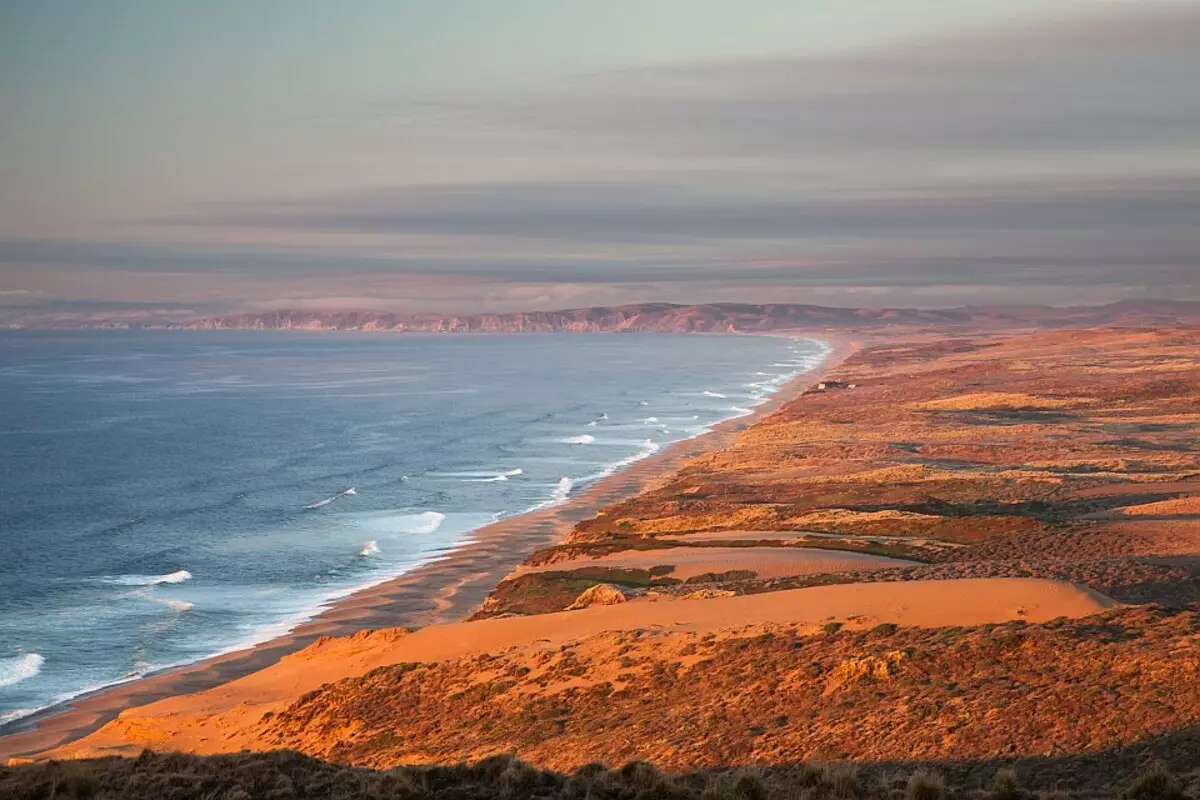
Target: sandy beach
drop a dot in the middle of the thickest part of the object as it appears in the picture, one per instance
(445, 590)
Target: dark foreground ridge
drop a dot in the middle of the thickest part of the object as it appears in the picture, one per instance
(283, 774)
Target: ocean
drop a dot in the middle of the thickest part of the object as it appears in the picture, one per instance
(168, 496)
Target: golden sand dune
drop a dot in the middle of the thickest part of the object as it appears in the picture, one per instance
(224, 718)
(1179, 506)
(764, 562)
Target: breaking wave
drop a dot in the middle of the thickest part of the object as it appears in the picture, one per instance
(708, 393)
(369, 549)
(178, 576)
(425, 522)
(503, 476)
(562, 490)
(328, 500)
(584, 439)
(15, 670)
(174, 605)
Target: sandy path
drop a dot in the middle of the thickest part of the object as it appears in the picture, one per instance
(765, 562)
(221, 719)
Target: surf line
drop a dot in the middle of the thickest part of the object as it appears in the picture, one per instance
(328, 500)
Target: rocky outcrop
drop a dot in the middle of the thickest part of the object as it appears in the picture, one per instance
(602, 594)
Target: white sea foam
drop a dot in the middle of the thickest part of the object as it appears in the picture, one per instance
(174, 605)
(425, 522)
(369, 549)
(16, 714)
(648, 448)
(14, 670)
(503, 476)
(483, 476)
(592, 424)
(178, 576)
(338, 496)
(584, 439)
(708, 393)
(562, 491)
(650, 420)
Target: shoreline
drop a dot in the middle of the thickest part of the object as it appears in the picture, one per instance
(446, 589)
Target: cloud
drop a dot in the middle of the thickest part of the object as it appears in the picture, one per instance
(647, 212)
(1002, 163)
(1109, 80)
(988, 159)
(20, 298)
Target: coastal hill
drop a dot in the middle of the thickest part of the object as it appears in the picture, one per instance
(648, 317)
(972, 557)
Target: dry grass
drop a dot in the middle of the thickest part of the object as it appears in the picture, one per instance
(688, 700)
(286, 775)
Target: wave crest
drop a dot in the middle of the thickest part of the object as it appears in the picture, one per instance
(174, 605)
(425, 522)
(328, 500)
(178, 576)
(369, 549)
(22, 667)
(561, 490)
(584, 439)
(503, 476)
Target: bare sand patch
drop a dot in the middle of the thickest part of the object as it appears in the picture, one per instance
(1180, 505)
(765, 562)
(982, 401)
(226, 718)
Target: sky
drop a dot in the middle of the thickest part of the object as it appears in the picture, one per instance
(181, 157)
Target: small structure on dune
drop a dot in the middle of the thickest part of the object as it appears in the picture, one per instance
(826, 385)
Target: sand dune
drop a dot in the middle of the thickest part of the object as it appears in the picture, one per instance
(1179, 506)
(223, 719)
(765, 562)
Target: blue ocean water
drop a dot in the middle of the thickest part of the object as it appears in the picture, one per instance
(168, 496)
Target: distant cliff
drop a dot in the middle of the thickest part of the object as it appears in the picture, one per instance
(656, 317)
(653, 317)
